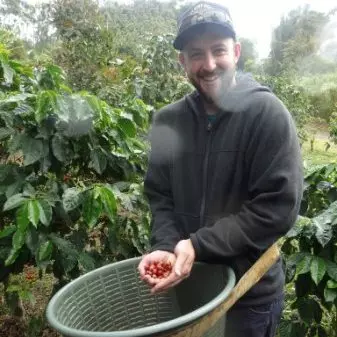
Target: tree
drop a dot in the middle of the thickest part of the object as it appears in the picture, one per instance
(86, 45)
(248, 53)
(138, 21)
(296, 37)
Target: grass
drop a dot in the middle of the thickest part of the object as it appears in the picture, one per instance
(315, 150)
(319, 154)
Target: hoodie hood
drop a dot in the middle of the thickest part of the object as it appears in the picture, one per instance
(236, 99)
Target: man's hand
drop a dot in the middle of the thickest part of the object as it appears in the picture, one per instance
(185, 256)
(156, 256)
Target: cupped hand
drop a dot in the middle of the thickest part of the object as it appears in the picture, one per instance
(185, 256)
(148, 259)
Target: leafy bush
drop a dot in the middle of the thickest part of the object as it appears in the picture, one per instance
(294, 98)
(71, 170)
(311, 260)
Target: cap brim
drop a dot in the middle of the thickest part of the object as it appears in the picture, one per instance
(199, 29)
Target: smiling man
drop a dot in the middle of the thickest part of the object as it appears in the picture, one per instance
(225, 178)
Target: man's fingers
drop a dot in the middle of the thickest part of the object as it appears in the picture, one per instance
(165, 286)
(165, 283)
(143, 263)
(178, 267)
(187, 267)
(183, 265)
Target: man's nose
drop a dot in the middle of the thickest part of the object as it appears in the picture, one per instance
(209, 62)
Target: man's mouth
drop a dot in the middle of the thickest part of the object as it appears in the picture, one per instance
(209, 78)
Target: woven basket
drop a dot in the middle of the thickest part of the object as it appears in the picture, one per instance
(112, 301)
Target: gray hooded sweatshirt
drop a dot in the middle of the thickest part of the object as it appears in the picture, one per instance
(233, 186)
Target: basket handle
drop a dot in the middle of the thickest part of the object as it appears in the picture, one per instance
(247, 281)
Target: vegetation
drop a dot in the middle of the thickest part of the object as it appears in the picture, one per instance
(76, 102)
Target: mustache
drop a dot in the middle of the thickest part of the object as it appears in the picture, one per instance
(205, 73)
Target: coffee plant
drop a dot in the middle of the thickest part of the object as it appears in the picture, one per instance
(310, 253)
(71, 169)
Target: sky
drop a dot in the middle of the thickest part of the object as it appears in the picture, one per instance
(257, 19)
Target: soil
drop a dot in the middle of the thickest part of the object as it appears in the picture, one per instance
(11, 327)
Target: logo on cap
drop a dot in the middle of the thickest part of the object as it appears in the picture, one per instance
(203, 12)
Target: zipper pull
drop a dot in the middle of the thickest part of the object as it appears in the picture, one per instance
(209, 126)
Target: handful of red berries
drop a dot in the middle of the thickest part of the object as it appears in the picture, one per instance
(158, 270)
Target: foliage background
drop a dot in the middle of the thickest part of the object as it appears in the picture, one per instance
(76, 103)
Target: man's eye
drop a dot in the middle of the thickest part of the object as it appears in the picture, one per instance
(196, 55)
(220, 51)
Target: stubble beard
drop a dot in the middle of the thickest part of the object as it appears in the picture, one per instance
(216, 100)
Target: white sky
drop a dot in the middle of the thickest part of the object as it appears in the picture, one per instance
(256, 19)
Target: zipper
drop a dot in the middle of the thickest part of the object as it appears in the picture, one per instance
(204, 176)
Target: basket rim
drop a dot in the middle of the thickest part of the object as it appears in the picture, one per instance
(139, 332)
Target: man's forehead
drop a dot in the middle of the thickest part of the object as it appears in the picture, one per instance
(208, 40)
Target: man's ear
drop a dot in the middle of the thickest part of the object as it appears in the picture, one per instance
(182, 59)
(237, 51)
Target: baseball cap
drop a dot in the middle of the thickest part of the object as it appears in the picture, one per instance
(203, 15)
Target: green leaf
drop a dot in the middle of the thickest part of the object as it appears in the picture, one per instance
(46, 102)
(303, 285)
(7, 231)
(94, 103)
(295, 230)
(303, 265)
(331, 268)
(32, 239)
(13, 288)
(45, 211)
(4, 133)
(92, 209)
(109, 201)
(18, 240)
(309, 310)
(8, 73)
(22, 218)
(285, 328)
(68, 255)
(98, 161)
(33, 212)
(127, 126)
(322, 222)
(23, 109)
(317, 269)
(59, 146)
(72, 198)
(86, 261)
(14, 202)
(27, 295)
(332, 284)
(112, 239)
(75, 116)
(14, 188)
(5, 171)
(330, 294)
(12, 257)
(45, 251)
(29, 190)
(321, 332)
(18, 98)
(32, 150)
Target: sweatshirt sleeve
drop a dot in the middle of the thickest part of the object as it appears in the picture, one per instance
(157, 186)
(275, 185)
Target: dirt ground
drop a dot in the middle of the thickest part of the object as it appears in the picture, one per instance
(33, 323)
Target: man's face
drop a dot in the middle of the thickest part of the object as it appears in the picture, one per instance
(210, 62)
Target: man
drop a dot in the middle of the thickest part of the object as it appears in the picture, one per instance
(225, 173)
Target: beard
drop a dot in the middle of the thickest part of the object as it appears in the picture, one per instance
(214, 98)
